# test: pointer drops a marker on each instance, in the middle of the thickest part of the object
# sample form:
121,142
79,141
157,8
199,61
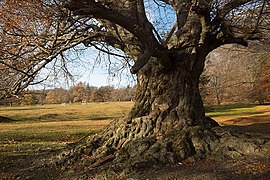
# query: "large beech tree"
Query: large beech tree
167,122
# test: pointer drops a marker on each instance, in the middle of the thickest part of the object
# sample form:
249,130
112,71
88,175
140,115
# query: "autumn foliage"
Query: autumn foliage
24,25
263,83
33,34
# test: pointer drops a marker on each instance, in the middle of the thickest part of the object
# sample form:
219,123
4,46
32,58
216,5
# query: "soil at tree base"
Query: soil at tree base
241,168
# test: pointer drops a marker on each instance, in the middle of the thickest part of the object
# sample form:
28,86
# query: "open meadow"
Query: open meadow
49,126
31,133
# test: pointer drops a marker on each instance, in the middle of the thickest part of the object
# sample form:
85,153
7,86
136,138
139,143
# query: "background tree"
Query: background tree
40,96
167,122
124,94
29,99
231,74
103,94
78,92
261,89
57,96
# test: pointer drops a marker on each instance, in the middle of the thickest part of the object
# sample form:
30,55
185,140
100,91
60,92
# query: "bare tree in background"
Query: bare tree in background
167,122
231,71
234,74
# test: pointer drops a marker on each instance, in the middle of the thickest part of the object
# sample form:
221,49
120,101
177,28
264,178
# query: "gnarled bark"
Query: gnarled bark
166,125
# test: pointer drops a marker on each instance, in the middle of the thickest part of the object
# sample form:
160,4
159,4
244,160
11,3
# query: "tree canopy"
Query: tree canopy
35,34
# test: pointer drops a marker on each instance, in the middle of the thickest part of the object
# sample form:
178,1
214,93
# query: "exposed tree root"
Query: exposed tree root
126,146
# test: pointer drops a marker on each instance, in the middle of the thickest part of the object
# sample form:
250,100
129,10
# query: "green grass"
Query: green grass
231,111
34,129
37,128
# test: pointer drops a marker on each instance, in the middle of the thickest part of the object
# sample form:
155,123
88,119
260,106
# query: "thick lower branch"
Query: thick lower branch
142,60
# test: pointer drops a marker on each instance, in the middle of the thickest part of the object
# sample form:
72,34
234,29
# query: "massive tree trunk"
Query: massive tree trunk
166,125
169,95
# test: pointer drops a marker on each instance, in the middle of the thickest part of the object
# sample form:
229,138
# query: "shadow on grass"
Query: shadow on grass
6,120
234,113
229,107
28,108
101,117
234,110
48,116
255,130
255,126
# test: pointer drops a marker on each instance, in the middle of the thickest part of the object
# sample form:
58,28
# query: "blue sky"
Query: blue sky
97,77
101,77
100,69
87,65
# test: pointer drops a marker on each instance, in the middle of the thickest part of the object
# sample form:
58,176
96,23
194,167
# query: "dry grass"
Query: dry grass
90,111
52,126
55,125
225,114
34,132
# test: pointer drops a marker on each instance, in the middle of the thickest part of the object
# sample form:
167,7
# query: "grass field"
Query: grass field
32,130
49,126
42,127
227,113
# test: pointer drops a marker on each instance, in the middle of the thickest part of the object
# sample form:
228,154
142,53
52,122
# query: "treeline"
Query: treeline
80,93
232,75
236,75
